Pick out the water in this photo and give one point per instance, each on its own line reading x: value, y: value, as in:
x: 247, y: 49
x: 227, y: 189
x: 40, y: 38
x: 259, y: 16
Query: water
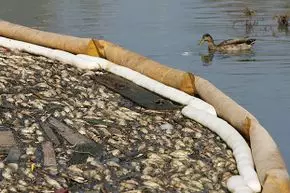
x: 168, y: 31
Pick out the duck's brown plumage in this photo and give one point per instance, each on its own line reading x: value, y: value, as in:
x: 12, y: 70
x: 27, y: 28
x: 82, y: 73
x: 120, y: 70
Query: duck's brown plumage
x: 237, y: 41
x: 282, y: 20
x: 228, y: 45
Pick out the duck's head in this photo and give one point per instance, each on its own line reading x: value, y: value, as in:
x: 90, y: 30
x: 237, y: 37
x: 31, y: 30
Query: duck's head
x: 205, y: 38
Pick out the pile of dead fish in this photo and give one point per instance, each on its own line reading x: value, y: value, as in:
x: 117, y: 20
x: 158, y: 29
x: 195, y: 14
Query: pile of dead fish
x: 61, y: 131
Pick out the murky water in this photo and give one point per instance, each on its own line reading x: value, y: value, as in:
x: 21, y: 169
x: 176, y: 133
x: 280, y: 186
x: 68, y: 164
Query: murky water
x: 169, y: 31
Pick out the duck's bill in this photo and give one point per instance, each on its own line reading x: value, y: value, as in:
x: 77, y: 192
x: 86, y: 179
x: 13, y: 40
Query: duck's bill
x: 201, y: 42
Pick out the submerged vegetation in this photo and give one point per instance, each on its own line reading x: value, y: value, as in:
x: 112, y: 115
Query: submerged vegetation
x: 248, y: 20
x: 251, y: 22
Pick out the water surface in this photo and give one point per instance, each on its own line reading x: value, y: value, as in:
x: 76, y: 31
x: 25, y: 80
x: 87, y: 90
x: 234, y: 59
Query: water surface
x: 168, y: 31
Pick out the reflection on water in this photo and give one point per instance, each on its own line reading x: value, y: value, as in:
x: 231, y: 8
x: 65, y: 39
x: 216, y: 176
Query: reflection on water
x: 249, y: 25
x: 163, y: 30
x: 282, y: 23
x: 206, y: 59
x: 243, y: 55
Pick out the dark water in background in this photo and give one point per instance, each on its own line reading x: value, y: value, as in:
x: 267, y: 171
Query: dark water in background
x: 168, y: 31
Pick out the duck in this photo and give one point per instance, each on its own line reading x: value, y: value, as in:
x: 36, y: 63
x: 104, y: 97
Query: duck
x: 282, y: 20
x: 227, y: 45
x: 249, y: 12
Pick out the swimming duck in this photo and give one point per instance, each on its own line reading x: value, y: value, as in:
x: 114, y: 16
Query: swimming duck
x: 227, y: 45
x: 249, y: 12
x: 282, y: 20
